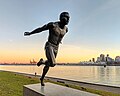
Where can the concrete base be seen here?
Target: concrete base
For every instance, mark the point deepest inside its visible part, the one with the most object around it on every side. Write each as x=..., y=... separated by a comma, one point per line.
x=52, y=90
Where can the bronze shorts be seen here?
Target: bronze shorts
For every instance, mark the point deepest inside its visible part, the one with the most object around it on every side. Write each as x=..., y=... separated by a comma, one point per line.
x=51, y=51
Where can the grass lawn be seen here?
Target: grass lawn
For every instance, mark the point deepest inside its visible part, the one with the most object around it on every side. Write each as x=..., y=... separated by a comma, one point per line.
x=11, y=84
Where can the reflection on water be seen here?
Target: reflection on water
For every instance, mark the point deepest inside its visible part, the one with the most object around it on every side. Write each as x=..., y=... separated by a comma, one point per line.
x=96, y=74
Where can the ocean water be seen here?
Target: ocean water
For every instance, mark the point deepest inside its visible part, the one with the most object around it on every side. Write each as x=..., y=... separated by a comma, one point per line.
x=109, y=75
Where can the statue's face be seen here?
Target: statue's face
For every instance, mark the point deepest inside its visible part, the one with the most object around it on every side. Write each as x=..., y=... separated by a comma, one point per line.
x=64, y=19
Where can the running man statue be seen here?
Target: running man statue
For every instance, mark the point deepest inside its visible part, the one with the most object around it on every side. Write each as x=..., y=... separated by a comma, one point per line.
x=57, y=30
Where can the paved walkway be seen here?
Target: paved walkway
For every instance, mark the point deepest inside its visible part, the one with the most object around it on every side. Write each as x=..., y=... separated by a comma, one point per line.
x=53, y=90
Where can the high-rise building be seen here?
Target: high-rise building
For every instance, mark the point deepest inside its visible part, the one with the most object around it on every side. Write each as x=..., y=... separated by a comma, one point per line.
x=98, y=59
x=106, y=58
x=107, y=55
x=117, y=59
x=102, y=58
x=93, y=59
x=109, y=60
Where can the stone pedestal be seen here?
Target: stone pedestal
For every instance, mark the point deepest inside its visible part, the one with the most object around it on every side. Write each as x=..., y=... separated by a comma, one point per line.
x=52, y=90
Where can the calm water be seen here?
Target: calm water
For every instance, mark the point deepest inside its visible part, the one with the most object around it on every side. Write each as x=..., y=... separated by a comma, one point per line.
x=95, y=74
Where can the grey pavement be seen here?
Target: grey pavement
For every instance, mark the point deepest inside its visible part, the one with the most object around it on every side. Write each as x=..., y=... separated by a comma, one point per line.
x=53, y=90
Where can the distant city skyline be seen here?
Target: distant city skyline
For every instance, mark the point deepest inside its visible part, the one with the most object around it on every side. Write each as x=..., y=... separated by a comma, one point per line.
x=104, y=58
x=93, y=29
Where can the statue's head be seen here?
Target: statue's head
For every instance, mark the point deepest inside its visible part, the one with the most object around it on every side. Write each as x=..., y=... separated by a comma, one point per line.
x=64, y=18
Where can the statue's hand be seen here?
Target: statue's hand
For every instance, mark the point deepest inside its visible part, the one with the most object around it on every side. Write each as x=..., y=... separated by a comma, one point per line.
x=26, y=33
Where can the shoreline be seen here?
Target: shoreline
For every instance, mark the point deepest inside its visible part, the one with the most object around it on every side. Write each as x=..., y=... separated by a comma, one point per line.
x=65, y=64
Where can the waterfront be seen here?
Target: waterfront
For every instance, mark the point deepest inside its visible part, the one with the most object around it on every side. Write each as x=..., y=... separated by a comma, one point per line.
x=109, y=75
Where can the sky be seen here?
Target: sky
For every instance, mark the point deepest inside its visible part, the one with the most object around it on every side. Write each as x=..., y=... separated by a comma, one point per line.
x=94, y=29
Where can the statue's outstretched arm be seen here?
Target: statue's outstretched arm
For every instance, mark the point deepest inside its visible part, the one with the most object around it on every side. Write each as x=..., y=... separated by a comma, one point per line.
x=38, y=30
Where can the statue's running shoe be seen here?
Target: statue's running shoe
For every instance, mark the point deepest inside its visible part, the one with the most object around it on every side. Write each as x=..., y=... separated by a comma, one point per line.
x=40, y=62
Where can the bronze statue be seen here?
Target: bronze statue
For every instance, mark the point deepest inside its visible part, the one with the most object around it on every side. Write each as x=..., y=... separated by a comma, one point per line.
x=56, y=32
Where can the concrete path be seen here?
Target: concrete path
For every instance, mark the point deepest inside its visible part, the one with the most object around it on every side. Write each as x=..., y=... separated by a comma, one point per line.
x=53, y=90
